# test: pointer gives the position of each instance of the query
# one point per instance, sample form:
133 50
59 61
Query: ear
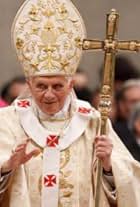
137 126
28 81
71 84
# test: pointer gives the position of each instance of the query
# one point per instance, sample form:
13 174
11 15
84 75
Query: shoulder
86 109
10 124
8 113
7 109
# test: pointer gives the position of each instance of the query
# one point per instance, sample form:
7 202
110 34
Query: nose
49 93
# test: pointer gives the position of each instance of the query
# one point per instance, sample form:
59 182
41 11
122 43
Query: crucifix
111 45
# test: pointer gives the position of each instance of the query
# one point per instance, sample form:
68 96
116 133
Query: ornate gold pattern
64 183
45 33
65 157
19 43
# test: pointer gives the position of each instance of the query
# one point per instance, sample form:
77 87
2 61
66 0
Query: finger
105 154
108 141
24 142
20 148
20 145
103 144
103 151
27 140
100 138
101 155
34 152
103 140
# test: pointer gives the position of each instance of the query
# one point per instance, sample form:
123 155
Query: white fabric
51 154
78 165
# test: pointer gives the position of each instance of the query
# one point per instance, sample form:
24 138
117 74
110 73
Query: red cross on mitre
23 103
52 141
84 110
50 180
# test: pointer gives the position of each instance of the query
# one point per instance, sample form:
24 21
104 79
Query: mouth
49 103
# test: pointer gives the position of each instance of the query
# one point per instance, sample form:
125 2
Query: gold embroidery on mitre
34 13
45 37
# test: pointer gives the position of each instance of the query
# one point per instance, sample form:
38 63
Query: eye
58 87
41 86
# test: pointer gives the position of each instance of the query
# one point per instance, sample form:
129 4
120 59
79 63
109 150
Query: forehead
49 79
132 89
132 94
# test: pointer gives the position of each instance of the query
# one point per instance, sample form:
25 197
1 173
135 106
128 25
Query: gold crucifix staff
110 46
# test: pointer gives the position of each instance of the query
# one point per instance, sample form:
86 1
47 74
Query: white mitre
46 36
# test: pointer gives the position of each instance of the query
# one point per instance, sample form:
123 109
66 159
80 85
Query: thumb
33 153
36 152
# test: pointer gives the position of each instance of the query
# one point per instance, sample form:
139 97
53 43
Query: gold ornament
46 35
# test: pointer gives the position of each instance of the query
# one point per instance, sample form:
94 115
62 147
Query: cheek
62 96
37 97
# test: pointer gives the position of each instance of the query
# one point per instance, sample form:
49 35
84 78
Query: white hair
67 78
131 83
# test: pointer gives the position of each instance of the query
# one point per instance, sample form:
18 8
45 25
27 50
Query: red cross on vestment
49 180
23 103
84 110
52 141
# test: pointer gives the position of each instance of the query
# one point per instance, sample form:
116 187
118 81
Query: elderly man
49 140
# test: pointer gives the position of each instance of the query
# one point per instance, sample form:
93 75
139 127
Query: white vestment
77 168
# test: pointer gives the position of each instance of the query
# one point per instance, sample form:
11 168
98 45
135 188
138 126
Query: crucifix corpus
111 45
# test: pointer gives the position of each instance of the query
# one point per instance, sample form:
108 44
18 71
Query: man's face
131 97
50 93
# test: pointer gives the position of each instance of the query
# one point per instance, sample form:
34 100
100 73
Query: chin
50 111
